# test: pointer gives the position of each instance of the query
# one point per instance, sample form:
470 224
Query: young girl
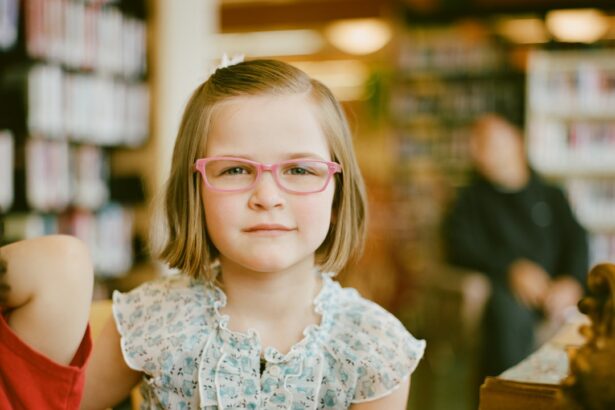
264 202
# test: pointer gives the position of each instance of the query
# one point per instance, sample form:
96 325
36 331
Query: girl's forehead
286 123
248 107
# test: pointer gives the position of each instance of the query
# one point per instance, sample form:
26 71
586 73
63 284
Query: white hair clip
227 61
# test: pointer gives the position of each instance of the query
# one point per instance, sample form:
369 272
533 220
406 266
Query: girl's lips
268 229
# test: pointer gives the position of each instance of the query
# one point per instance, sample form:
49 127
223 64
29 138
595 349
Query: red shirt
29 380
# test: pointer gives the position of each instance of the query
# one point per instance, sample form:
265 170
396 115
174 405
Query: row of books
449 147
593 201
447 48
9 23
6 170
59 175
571 134
91 108
107 233
588 90
454 100
91 35
583 133
573 145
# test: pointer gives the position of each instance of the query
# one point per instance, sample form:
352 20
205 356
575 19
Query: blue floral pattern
173 332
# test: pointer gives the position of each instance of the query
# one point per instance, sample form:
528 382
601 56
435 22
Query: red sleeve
30 380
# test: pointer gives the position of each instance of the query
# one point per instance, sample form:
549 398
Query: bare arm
397 400
49 283
108 379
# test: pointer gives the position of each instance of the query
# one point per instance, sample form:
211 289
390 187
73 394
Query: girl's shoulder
351 312
173 288
354 321
372 343
161 301
163 318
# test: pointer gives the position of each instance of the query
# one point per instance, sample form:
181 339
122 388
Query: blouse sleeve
393 356
150 320
130 311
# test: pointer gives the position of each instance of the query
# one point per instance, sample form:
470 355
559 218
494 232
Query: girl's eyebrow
310 155
296 155
231 155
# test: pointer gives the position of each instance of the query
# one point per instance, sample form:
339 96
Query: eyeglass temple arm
195 167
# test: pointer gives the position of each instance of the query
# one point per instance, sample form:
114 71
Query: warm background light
345 78
359 36
577 26
529 30
266 43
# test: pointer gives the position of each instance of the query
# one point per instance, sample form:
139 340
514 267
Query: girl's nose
266 194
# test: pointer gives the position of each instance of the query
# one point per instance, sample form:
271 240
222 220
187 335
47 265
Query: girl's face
266 229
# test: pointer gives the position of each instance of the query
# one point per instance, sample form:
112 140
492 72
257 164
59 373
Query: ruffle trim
312 333
417 347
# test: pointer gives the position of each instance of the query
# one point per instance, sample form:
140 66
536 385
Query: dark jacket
488 228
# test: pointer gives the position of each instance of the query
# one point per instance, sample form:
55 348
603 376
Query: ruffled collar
313 334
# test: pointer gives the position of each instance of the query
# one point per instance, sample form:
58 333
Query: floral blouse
172 331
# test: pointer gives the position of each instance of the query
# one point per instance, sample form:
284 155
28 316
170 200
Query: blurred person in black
521 232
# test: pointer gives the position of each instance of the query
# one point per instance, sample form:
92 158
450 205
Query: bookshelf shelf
76 79
575 168
602 112
571 135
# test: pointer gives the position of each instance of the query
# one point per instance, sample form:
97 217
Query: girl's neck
261 297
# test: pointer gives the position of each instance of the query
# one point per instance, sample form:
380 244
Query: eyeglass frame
332 168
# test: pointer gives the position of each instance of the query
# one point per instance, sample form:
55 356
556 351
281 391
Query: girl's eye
299 171
234 171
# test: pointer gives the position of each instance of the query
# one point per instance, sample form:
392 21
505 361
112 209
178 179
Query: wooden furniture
535 383
575 369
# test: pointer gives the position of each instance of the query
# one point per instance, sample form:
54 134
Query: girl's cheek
318 212
219 202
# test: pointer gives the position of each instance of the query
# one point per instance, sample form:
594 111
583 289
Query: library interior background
91 93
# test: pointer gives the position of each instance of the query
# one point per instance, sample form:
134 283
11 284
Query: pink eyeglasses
297 176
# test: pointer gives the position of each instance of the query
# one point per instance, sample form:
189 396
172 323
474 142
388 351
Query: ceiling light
359 36
523 30
577 26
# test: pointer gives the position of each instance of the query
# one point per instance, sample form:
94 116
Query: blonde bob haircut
185 245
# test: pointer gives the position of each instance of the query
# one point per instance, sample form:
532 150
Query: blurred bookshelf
73 81
446 75
571 135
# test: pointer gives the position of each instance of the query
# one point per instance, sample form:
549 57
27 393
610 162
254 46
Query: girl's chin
268 267
272 264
